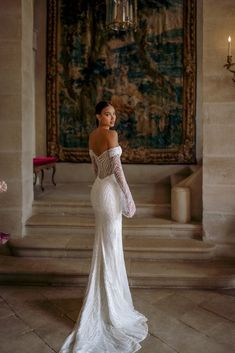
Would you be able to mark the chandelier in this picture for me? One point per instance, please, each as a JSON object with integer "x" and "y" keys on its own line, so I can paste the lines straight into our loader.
{"x": 121, "y": 15}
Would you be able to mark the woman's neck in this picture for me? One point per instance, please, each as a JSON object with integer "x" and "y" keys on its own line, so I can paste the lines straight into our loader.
{"x": 103, "y": 127}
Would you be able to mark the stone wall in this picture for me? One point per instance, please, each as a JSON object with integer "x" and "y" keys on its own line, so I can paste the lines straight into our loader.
{"x": 218, "y": 126}
{"x": 16, "y": 113}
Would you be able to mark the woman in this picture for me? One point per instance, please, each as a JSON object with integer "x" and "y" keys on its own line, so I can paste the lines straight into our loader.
{"x": 108, "y": 322}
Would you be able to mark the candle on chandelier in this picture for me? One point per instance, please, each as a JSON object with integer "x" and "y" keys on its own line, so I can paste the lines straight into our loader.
{"x": 229, "y": 46}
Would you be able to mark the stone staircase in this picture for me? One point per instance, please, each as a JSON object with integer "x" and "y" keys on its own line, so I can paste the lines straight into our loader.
{"x": 57, "y": 247}
{"x": 139, "y": 227}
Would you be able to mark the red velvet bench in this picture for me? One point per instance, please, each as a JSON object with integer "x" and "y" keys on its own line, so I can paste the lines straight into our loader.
{"x": 42, "y": 163}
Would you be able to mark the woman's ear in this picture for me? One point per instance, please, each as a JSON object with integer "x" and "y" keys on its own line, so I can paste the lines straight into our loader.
{"x": 97, "y": 120}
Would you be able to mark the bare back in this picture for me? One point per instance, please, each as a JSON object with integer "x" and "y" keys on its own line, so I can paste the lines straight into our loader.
{"x": 101, "y": 140}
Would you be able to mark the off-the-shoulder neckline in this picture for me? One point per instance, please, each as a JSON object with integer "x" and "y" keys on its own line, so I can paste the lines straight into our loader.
{"x": 110, "y": 149}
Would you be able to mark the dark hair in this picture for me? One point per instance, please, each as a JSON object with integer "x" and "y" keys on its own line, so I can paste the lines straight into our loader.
{"x": 100, "y": 106}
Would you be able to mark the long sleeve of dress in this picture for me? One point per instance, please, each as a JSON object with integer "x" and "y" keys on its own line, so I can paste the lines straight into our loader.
{"x": 128, "y": 205}
{"x": 94, "y": 165}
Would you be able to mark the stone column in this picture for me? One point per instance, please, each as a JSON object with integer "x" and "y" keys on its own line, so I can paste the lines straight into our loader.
{"x": 16, "y": 113}
{"x": 218, "y": 126}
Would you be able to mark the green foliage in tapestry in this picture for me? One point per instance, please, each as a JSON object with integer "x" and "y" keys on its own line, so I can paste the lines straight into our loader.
{"x": 140, "y": 73}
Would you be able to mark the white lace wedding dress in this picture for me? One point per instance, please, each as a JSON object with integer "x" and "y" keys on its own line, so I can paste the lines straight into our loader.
{"x": 108, "y": 322}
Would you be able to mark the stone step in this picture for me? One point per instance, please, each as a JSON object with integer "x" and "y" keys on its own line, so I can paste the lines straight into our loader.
{"x": 59, "y": 246}
{"x": 152, "y": 200}
{"x": 84, "y": 208}
{"x": 154, "y": 274}
{"x": 65, "y": 224}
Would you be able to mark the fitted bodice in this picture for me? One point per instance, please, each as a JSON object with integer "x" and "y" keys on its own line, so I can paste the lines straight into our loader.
{"x": 104, "y": 162}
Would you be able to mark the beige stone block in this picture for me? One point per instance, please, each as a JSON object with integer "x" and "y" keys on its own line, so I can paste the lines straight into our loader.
{"x": 12, "y": 326}
{"x": 10, "y": 166}
{"x": 54, "y": 335}
{"x": 28, "y": 59}
{"x": 25, "y": 343}
{"x": 28, "y": 84}
{"x": 198, "y": 296}
{"x": 219, "y": 113}
{"x": 218, "y": 88}
{"x": 75, "y": 266}
{"x": 219, "y": 227}
{"x": 27, "y": 201}
{"x": 27, "y": 17}
{"x": 213, "y": 59}
{"x": 175, "y": 333}
{"x": 219, "y": 171}
{"x": 73, "y": 315}
{"x": 10, "y": 55}
{"x": 10, "y": 8}
{"x": 11, "y": 221}
{"x": 223, "y": 306}
{"x": 10, "y": 136}
{"x": 153, "y": 344}
{"x": 219, "y": 9}
{"x": 10, "y": 107}
{"x": 13, "y": 196}
{"x": 219, "y": 199}
{"x": 27, "y": 160}
{"x": 219, "y": 140}
{"x": 27, "y": 42}
{"x": 5, "y": 310}
{"x": 27, "y": 192}
{"x": 35, "y": 312}
{"x": 28, "y": 138}
{"x": 216, "y": 32}
{"x": 202, "y": 320}
{"x": 151, "y": 295}
{"x": 16, "y": 296}
{"x": 176, "y": 305}
{"x": 74, "y": 172}
{"x": 226, "y": 250}
{"x": 27, "y": 176}
{"x": 10, "y": 81}
{"x": 10, "y": 27}
{"x": 69, "y": 305}
{"x": 62, "y": 292}
{"x": 224, "y": 333}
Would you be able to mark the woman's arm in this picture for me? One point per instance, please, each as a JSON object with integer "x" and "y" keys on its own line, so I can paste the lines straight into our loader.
{"x": 93, "y": 161}
{"x": 128, "y": 206}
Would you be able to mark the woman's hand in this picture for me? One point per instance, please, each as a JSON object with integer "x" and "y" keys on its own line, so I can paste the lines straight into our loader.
{"x": 129, "y": 208}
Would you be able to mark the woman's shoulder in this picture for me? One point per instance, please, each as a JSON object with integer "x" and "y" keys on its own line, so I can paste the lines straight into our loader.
{"x": 112, "y": 138}
{"x": 112, "y": 133}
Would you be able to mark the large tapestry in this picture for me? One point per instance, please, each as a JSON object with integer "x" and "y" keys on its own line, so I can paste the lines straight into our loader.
{"x": 149, "y": 76}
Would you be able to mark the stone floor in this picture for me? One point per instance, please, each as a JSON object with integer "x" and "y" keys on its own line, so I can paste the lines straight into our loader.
{"x": 37, "y": 319}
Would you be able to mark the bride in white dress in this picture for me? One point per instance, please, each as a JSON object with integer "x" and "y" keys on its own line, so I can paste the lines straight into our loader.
{"x": 108, "y": 322}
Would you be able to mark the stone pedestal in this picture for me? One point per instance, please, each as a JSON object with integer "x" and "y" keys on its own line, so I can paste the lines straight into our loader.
{"x": 180, "y": 204}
